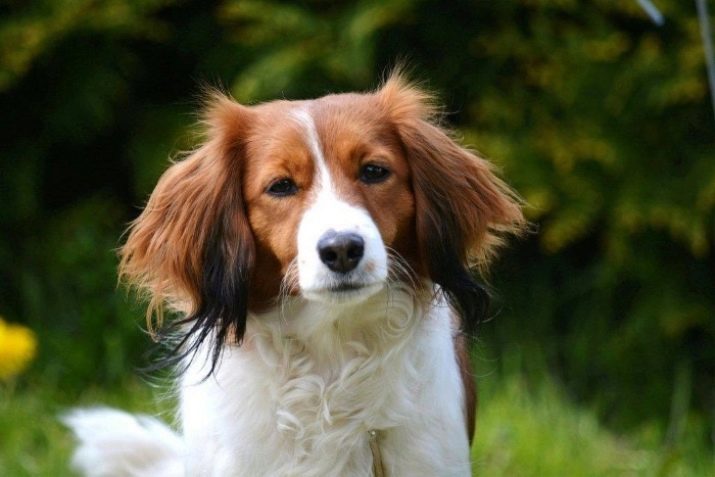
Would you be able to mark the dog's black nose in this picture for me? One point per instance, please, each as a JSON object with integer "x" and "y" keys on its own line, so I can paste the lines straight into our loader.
{"x": 341, "y": 252}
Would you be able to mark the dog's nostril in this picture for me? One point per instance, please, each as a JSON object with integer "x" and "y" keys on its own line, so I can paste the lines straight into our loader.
{"x": 341, "y": 252}
{"x": 329, "y": 255}
{"x": 356, "y": 251}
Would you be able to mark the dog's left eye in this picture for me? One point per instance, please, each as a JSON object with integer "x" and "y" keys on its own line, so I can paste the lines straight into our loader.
{"x": 282, "y": 188}
{"x": 373, "y": 174}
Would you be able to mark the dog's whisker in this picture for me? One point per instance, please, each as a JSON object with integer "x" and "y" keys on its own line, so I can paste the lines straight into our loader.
{"x": 399, "y": 270}
{"x": 288, "y": 284}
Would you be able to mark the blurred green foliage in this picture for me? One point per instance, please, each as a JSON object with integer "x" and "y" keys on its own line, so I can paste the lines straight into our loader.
{"x": 599, "y": 119}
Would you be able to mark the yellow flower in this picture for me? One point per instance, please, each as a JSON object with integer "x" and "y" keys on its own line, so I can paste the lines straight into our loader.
{"x": 18, "y": 346}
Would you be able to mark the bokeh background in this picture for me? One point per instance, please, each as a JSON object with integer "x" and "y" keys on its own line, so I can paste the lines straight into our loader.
{"x": 600, "y": 357}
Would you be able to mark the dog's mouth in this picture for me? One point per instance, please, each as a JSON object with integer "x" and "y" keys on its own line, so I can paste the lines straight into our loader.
{"x": 344, "y": 292}
{"x": 346, "y": 287}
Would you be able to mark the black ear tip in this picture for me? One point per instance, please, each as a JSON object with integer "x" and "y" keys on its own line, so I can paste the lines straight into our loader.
{"x": 469, "y": 298}
{"x": 463, "y": 291}
{"x": 222, "y": 311}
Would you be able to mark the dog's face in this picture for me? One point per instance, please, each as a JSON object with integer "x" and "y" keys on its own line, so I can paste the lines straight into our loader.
{"x": 327, "y": 199}
{"x": 328, "y": 192}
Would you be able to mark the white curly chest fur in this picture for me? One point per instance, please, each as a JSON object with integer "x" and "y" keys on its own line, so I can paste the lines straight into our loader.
{"x": 299, "y": 401}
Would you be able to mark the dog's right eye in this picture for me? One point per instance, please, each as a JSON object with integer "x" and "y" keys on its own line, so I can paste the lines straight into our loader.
{"x": 282, "y": 188}
{"x": 373, "y": 174}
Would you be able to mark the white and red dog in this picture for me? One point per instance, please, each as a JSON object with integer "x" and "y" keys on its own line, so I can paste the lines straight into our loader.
{"x": 319, "y": 252}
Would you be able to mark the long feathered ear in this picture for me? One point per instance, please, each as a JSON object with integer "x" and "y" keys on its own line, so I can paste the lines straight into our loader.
{"x": 463, "y": 210}
{"x": 192, "y": 248}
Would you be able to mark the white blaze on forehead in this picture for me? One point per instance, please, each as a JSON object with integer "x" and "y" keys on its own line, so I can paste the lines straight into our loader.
{"x": 313, "y": 141}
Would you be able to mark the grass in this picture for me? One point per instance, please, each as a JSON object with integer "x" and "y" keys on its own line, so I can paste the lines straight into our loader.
{"x": 521, "y": 431}
{"x": 534, "y": 431}
{"x": 32, "y": 440}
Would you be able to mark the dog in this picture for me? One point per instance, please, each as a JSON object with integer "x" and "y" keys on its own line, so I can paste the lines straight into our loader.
{"x": 319, "y": 256}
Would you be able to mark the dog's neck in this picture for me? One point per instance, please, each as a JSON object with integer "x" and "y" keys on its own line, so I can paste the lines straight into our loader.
{"x": 334, "y": 331}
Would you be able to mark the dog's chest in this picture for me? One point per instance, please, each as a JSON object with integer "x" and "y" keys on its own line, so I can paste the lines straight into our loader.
{"x": 295, "y": 416}
{"x": 277, "y": 408}
{"x": 322, "y": 409}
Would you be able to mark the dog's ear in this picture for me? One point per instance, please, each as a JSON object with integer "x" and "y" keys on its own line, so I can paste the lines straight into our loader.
{"x": 192, "y": 247}
{"x": 463, "y": 209}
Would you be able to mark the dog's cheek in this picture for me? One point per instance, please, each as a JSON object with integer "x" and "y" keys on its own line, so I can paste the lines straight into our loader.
{"x": 274, "y": 227}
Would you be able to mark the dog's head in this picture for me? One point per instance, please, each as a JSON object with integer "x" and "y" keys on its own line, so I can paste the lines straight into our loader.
{"x": 328, "y": 199}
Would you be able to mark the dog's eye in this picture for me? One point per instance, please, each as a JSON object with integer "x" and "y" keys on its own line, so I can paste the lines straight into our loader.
{"x": 373, "y": 174}
{"x": 282, "y": 188}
